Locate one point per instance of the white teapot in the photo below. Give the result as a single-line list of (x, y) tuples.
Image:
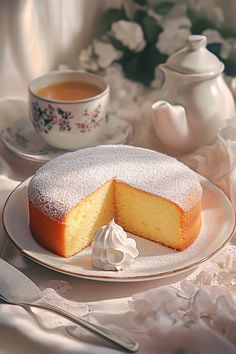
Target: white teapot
[(194, 100)]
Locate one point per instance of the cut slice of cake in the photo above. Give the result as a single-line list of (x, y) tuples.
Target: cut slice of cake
[(149, 194)]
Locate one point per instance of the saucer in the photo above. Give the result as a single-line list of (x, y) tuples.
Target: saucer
[(22, 140)]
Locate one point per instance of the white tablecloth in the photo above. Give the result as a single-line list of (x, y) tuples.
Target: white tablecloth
[(162, 317)]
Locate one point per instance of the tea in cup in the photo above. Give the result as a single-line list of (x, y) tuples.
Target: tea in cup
[(69, 108)]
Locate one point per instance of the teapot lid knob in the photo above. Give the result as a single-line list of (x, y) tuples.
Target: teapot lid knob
[(196, 42)]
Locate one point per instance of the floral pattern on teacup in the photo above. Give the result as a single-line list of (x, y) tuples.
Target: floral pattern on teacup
[(91, 120), (45, 118)]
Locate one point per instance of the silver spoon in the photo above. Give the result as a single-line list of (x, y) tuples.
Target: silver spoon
[(17, 289)]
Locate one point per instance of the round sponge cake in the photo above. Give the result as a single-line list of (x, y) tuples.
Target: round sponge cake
[(147, 193)]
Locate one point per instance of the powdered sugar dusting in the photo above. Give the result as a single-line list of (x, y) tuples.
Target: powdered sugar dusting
[(66, 180)]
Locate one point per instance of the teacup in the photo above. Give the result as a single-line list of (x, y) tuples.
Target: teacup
[(69, 108)]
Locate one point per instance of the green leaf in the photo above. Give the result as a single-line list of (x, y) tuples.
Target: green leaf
[(192, 15), (140, 2), (131, 67), (227, 32), (117, 44), (113, 15), (141, 66), (151, 29), (163, 8), (230, 66), (139, 15), (215, 48), (199, 24)]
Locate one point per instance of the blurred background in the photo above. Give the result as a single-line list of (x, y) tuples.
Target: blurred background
[(37, 36)]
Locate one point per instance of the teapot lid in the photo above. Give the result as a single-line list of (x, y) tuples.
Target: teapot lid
[(195, 58)]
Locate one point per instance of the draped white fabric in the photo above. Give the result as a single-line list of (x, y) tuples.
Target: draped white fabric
[(38, 35), (35, 37), (149, 317)]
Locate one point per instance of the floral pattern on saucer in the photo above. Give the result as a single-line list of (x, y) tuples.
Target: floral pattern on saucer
[(22, 139)]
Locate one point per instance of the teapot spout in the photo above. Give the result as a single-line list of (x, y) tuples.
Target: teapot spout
[(171, 125)]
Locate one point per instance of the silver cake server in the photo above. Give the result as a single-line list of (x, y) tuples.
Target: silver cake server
[(17, 289)]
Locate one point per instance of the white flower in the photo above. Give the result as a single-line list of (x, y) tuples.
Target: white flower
[(208, 9), (130, 8), (177, 11), (228, 48), (159, 305), (225, 50), (124, 93), (174, 35), (122, 89), (218, 14), (98, 55), (86, 54), (213, 36), (114, 71), (130, 34), (106, 53), (155, 15), (87, 60)]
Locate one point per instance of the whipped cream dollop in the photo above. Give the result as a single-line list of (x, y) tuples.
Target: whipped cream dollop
[(112, 249)]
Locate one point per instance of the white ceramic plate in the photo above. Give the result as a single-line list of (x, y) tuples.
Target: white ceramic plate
[(154, 261), (22, 140)]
